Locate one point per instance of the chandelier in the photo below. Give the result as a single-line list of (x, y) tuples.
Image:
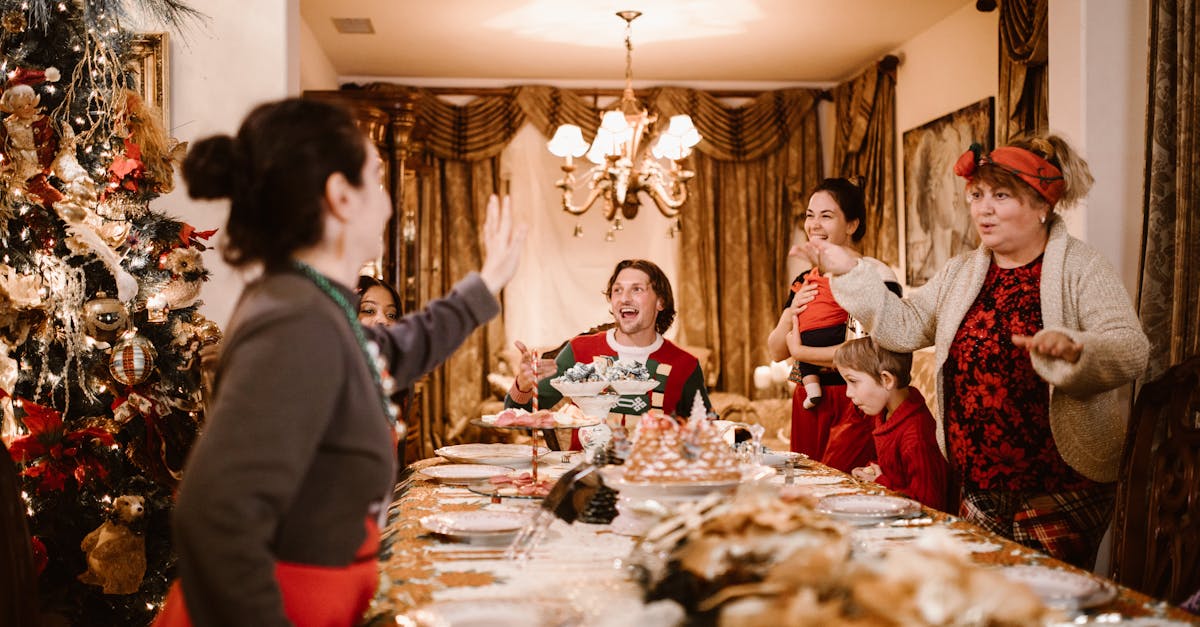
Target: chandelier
[(624, 168)]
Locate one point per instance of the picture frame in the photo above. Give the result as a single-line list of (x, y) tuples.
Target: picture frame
[(937, 220), (148, 65)]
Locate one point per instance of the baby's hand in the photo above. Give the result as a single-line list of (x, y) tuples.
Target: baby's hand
[(870, 472)]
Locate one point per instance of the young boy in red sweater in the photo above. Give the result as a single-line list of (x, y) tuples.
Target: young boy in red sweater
[(908, 458)]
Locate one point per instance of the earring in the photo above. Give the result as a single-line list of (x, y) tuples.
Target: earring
[(1042, 219)]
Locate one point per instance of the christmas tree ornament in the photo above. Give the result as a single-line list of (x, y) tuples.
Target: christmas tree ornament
[(19, 291), (53, 454), (156, 308), (132, 360), (13, 22), (104, 318), (150, 154), (116, 550), (115, 233), (208, 332), (187, 275)]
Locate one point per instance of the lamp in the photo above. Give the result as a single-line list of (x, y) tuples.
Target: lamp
[(624, 168)]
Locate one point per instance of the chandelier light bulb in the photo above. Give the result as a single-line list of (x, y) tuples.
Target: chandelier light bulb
[(596, 153), (568, 142), (681, 126)]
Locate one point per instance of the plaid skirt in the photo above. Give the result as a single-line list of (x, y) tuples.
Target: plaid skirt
[(1065, 525)]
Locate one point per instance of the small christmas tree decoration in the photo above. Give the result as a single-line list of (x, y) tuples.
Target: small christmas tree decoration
[(132, 360), (699, 411), (156, 309)]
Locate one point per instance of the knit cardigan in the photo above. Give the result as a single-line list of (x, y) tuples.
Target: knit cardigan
[(1081, 298)]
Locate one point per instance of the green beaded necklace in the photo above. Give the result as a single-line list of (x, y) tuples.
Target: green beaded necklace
[(336, 295)]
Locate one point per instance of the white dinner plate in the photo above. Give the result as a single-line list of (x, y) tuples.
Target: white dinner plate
[(777, 459), (475, 523), (492, 454), (462, 474), (496, 613), (868, 508), (1063, 589), (817, 480)]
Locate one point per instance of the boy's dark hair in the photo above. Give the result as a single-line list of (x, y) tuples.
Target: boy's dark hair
[(864, 355)]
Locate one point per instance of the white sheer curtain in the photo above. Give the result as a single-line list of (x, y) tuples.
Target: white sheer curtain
[(558, 290)]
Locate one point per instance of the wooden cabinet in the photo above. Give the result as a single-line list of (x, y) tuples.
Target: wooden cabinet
[(388, 118)]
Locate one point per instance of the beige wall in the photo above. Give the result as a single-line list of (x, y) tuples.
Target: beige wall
[(237, 59), (1098, 52), (316, 70), (947, 67)]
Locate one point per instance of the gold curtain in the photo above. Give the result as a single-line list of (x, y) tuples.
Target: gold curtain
[(865, 145), (457, 192), (735, 226), (1024, 81), (1169, 286), (739, 219)]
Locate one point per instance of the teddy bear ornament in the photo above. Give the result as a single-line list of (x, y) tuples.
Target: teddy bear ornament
[(116, 550)]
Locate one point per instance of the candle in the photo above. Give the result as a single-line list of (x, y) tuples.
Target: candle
[(762, 377)]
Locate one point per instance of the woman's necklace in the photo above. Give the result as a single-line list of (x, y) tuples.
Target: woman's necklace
[(370, 350)]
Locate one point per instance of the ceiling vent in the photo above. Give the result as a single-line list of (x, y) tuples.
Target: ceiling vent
[(353, 25)]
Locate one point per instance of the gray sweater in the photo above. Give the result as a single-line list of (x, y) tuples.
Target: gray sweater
[(297, 451), (1081, 297)]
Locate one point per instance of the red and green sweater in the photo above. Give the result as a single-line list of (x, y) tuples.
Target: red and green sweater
[(678, 374)]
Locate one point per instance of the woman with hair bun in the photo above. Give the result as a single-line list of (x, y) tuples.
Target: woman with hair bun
[(1033, 334), (826, 426), (278, 514)]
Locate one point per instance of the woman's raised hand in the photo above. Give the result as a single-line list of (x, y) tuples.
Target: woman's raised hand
[(830, 258), (502, 244)]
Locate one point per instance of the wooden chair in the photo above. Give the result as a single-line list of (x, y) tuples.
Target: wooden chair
[(1156, 541)]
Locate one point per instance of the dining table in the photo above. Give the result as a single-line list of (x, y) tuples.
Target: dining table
[(579, 574)]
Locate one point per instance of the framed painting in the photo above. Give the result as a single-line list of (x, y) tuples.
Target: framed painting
[(147, 61), (937, 220)]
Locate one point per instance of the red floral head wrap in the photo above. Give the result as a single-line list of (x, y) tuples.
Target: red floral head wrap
[(1040, 174)]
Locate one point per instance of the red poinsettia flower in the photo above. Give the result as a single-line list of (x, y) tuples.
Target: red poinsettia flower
[(41, 556), (52, 454)]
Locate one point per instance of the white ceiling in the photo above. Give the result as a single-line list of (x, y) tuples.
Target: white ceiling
[(722, 41)]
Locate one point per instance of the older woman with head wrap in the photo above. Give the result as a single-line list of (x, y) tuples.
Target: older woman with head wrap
[(1033, 334)]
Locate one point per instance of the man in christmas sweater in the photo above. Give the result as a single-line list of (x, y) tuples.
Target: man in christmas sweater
[(641, 302), (908, 459)]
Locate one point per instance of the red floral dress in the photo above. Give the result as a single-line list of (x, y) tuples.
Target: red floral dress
[(997, 408)]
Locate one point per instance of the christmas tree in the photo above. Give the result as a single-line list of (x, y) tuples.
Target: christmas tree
[(99, 333)]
